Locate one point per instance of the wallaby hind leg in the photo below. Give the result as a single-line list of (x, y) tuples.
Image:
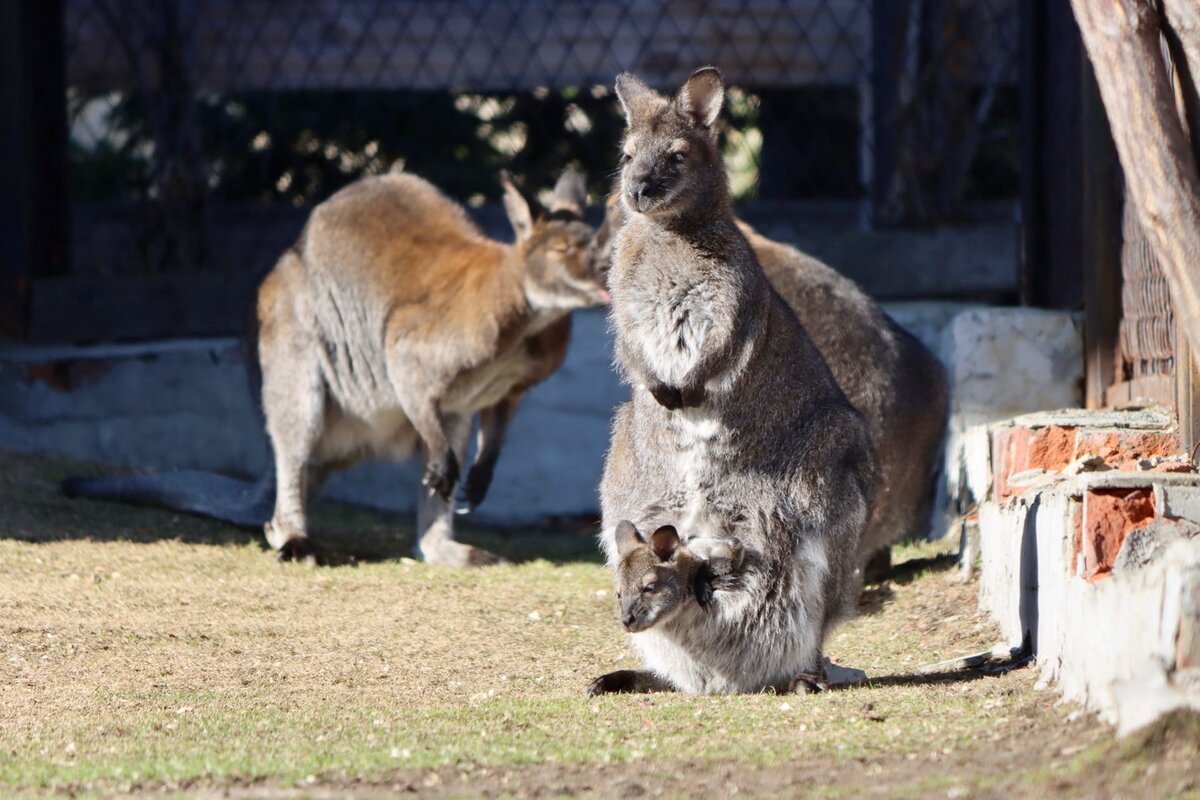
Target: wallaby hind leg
[(294, 405), (435, 512)]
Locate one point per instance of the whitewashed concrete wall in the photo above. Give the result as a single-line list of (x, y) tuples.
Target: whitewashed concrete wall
[(185, 404)]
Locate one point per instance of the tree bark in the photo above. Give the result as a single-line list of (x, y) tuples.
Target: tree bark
[(1122, 41)]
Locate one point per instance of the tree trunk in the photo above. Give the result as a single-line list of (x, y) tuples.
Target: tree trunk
[(1122, 40)]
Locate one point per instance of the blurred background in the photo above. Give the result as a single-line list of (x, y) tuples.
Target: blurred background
[(189, 137), (158, 155)]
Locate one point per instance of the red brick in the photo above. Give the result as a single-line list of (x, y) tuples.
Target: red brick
[(1120, 447), (1108, 517), (1050, 448)]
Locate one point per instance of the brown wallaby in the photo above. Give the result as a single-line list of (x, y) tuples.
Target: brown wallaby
[(894, 381), (388, 325), (733, 416)]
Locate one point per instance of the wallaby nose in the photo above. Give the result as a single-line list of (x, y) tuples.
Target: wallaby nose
[(637, 188), (628, 619)]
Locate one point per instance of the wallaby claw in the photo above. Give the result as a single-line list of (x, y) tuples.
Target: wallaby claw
[(441, 473)]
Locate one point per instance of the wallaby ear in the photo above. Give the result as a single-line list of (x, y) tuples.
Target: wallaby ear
[(701, 97), (570, 194), (628, 538), (634, 95), (664, 542), (517, 208)]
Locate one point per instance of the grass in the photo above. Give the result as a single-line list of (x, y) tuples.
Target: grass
[(142, 651)]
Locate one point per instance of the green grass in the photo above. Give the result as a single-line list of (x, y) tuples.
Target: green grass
[(141, 650)]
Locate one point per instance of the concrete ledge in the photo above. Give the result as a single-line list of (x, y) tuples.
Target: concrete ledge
[(184, 404), (1097, 569)]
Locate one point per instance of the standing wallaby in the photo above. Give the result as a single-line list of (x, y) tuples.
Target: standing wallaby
[(389, 324), (893, 380), (733, 416)]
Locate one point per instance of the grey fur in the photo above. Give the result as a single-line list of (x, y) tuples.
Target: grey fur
[(897, 384), (735, 420)]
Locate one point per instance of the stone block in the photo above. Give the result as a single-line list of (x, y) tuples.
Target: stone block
[(1108, 517)]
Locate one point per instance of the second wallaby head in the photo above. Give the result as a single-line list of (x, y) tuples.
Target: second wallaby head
[(670, 163), (554, 246), (655, 577)]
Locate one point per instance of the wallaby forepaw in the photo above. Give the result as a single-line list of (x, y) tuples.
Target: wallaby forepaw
[(441, 473), (668, 397), (692, 396)]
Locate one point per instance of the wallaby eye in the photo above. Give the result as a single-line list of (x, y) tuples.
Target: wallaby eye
[(650, 588), (625, 158), (679, 157)]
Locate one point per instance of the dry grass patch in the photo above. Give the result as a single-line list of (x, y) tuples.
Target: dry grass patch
[(146, 651)]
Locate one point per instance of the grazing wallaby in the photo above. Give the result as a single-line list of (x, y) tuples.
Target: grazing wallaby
[(733, 415), (898, 386), (388, 325)]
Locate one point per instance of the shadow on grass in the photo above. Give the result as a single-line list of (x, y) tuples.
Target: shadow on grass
[(34, 510), (875, 596)]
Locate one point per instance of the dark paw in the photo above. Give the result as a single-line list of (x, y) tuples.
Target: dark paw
[(299, 550), (479, 479), (692, 396), (809, 683), (668, 397), (620, 682), (441, 473)]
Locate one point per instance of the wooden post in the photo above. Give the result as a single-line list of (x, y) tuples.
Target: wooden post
[(33, 146), (1102, 190), (1122, 40)]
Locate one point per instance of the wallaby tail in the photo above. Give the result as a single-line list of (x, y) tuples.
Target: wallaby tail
[(205, 493)]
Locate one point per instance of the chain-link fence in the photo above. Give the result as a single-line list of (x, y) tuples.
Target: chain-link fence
[(200, 130)]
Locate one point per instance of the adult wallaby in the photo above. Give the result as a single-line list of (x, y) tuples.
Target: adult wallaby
[(382, 331), (894, 381), (734, 417)]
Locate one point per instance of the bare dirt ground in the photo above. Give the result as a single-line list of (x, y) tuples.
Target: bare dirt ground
[(147, 652)]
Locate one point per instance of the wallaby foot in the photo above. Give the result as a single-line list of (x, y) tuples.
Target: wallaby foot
[(628, 681), (289, 543), (450, 553), (441, 473), (878, 565), (298, 550), (476, 485), (809, 683)]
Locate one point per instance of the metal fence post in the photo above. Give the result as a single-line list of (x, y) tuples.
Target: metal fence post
[(33, 151)]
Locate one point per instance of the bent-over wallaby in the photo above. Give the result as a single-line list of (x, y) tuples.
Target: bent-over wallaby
[(894, 381), (733, 416), (388, 325)]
